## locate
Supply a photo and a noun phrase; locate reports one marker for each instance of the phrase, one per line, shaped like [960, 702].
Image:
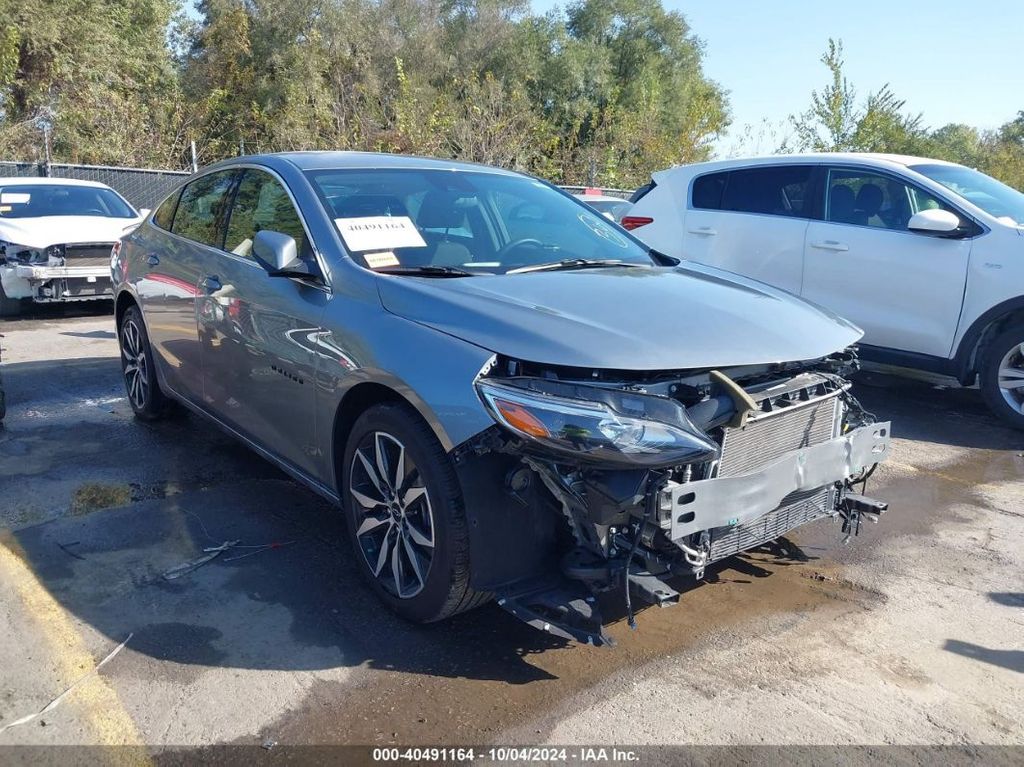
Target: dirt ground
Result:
[911, 634]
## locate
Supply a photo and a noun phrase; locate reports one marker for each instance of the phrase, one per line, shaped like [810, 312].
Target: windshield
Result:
[477, 222]
[993, 197]
[35, 200]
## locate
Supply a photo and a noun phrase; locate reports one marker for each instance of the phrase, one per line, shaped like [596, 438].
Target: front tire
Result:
[147, 400]
[1002, 376]
[405, 515]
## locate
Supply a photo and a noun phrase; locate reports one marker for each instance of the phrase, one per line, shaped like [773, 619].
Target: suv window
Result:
[874, 199]
[261, 202]
[707, 191]
[165, 213]
[201, 209]
[776, 190]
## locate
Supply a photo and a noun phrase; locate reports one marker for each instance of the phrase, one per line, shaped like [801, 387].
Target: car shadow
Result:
[928, 410]
[286, 595]
[31, 312]
[103, 334]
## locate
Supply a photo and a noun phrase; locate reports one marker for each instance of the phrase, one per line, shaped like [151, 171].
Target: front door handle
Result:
[211, 284]
[705, 231]
[830, 245]
[153, 259]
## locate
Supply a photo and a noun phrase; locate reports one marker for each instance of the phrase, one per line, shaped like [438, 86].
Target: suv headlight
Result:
[593, 431]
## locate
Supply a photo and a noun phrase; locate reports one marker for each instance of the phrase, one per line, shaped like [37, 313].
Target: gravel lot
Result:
[912, 634]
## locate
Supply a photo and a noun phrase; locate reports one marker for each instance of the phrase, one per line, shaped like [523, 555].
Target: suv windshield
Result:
[475, 222]
[993, 197]
[35, 200]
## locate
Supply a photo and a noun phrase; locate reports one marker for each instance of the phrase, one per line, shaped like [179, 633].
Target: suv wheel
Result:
[1002, 375]
[405, 515]
[144, 395]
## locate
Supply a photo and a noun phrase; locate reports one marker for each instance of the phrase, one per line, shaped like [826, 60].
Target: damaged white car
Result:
[55, 240]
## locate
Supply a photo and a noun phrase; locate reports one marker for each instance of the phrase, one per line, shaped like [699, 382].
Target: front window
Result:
[262, 203]
[993, 197]
[876, 200]
[37, 200]
[476, 222]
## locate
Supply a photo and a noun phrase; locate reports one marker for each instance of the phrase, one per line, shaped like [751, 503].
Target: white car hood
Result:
[64, 230]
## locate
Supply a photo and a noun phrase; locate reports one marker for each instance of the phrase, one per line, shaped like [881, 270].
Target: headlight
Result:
[593, 431]
[21, 254]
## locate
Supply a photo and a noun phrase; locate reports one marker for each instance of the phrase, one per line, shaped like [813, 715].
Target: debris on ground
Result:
[210, 552]
[56, 701]
[260, 549]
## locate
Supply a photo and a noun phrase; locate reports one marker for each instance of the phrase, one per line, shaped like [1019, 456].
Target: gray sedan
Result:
[506, 393]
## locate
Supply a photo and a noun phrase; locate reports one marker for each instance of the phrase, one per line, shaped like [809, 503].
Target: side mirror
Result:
[278, 254]
[144, 212]
[934, 221]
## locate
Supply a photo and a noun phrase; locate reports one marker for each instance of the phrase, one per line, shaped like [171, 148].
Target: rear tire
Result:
[405, 515]
[1002, 375]
[147, 400]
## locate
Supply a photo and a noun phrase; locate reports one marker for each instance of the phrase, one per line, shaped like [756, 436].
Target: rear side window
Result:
[707, 191]
[777, 190]
[262, 203]
[202, 207]
[165, 213]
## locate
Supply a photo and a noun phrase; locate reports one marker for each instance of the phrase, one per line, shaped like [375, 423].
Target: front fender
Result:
[433, 371]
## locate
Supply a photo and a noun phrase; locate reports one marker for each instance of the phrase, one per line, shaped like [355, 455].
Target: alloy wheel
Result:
[136, 364]
[394, 522]
[1011, 378]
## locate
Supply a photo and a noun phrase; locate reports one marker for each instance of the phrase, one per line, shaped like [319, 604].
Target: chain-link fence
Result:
[142, 187]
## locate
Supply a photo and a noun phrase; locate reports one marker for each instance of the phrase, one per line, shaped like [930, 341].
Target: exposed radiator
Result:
[768, 436]
[89, 254]
[797, 509]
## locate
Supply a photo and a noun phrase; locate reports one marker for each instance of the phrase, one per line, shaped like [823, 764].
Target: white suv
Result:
[926, 256]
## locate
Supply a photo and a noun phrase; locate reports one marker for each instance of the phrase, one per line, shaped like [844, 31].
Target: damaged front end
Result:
[612, 480]
[57, 273]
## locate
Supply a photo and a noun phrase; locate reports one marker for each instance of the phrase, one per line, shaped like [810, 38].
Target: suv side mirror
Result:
[144, 213]
[278, 254]
[934, 221]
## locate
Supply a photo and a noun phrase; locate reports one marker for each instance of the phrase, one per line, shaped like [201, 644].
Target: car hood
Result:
[58, 230]
[683, 317]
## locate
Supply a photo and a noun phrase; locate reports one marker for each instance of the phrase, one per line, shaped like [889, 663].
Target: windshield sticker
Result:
[14, 198]
[379, 233]
[381, 260]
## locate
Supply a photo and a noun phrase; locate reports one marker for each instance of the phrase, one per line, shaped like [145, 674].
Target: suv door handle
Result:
[211, 284]
[830, 245]
[153, 259]
[706, 231]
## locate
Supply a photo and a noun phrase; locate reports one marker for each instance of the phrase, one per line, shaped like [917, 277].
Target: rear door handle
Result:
[706, 231]
[153, 259]
[211, 284]
[830, 245]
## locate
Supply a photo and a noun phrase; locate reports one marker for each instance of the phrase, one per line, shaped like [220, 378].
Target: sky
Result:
[953, 61]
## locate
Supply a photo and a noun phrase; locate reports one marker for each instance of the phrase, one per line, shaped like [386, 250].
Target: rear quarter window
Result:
[202, 208]
[164, 215]
[707, 191]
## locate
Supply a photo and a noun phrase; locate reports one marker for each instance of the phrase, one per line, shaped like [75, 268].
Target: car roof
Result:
[328, 160]
[37, 180]
[876, 159]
